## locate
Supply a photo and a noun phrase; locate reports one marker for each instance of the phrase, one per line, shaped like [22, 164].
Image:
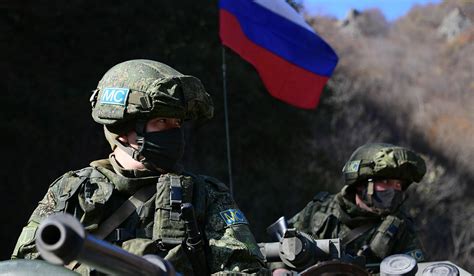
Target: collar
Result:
[124, 181]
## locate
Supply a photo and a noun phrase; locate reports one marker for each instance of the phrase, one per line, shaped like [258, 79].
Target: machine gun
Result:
[307, 256]
[62, 240]
[301, 253]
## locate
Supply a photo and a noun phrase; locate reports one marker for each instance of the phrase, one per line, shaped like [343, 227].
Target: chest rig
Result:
[158, 218]
[162, 212]
[328, 221]
[172, 190]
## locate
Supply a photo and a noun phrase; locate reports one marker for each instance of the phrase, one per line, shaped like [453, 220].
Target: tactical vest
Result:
[323, 218]
[155, 228]
[89, 195]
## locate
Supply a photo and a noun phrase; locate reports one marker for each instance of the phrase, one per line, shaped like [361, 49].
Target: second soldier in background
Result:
[366, 214]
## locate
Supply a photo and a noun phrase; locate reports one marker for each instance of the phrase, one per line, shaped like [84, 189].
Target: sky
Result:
[392, 9]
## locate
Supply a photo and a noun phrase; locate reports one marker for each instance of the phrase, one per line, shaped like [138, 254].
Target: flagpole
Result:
[226, 115]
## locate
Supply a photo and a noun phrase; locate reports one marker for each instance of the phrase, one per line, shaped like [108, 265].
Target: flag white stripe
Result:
[283, 9]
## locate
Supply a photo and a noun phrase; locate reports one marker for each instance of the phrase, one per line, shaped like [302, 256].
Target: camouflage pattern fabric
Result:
[380, 160]
[94, 193]
[334, 216]
[144, 89]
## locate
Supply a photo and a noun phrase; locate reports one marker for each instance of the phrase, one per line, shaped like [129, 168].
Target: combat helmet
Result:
[143, 89]
[135, 91]
[380, 160]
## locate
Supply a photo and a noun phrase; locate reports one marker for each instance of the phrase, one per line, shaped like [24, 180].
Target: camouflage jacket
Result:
[94, 193]
[334, 216]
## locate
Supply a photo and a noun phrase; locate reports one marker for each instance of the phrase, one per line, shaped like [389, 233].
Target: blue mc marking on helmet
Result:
[233, 216]
[112, 95]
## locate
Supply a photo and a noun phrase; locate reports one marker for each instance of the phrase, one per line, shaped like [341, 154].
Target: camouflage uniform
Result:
[94, 193]
[336, 216]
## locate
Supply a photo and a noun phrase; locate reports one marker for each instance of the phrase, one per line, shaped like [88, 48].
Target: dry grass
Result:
[419, 89]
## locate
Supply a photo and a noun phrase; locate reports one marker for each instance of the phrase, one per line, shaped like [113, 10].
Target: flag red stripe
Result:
[284, 80]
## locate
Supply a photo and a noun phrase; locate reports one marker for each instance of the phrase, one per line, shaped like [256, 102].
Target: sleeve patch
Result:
[233, 216]
[417, 254]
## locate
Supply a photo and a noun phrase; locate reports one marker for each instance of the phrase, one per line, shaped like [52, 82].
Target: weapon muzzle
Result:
[62, 239]
[299, 250]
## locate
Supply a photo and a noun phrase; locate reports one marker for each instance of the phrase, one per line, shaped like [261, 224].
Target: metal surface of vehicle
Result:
[28, 267]
[300, 253]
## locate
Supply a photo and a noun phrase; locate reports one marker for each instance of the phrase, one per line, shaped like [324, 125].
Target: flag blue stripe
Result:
[283, 37]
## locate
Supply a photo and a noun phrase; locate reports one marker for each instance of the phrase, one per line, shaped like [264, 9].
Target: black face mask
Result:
[384, 202]
[162, 149]
[388, 199]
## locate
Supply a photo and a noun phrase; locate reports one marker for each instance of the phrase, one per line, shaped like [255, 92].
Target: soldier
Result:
[366, 213]
[142, 104]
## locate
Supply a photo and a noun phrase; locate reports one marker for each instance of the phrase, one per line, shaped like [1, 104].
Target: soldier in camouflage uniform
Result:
[366, 214]
[141, 104]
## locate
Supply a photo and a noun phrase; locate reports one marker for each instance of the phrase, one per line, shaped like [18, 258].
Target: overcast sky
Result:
[392, 9]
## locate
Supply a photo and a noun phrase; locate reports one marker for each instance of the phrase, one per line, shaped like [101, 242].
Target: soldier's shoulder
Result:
[81, 173]
[403, 214]
[71, 180]
[209, 182]
[408, 219]
[322, 202]
[319, 203]
[322, 197]
[315, 212]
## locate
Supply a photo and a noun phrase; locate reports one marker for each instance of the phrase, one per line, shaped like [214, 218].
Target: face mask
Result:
[162, 149]
[384, 202]
[389, 199]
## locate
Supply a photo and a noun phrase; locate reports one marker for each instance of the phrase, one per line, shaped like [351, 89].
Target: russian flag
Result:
[294, 63]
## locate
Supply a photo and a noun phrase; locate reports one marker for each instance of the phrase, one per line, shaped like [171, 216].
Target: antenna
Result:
[226, 115]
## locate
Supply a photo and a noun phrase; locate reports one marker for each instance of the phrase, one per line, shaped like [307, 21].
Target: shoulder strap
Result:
[356, 233]
[199, 199]
[125, 210]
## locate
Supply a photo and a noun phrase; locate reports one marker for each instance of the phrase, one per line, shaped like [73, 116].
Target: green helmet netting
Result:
[145, 89]
[386, 161]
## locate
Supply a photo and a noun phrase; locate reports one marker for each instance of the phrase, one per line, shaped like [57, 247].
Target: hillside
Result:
[412, 84]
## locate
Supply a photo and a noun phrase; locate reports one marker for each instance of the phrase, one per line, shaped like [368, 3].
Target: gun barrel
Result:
[271, 251]
[299, 250]
[61, 239]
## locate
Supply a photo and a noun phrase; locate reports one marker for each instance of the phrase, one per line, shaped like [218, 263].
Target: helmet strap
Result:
[140, 129]
[127, 148]
[370, 191]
